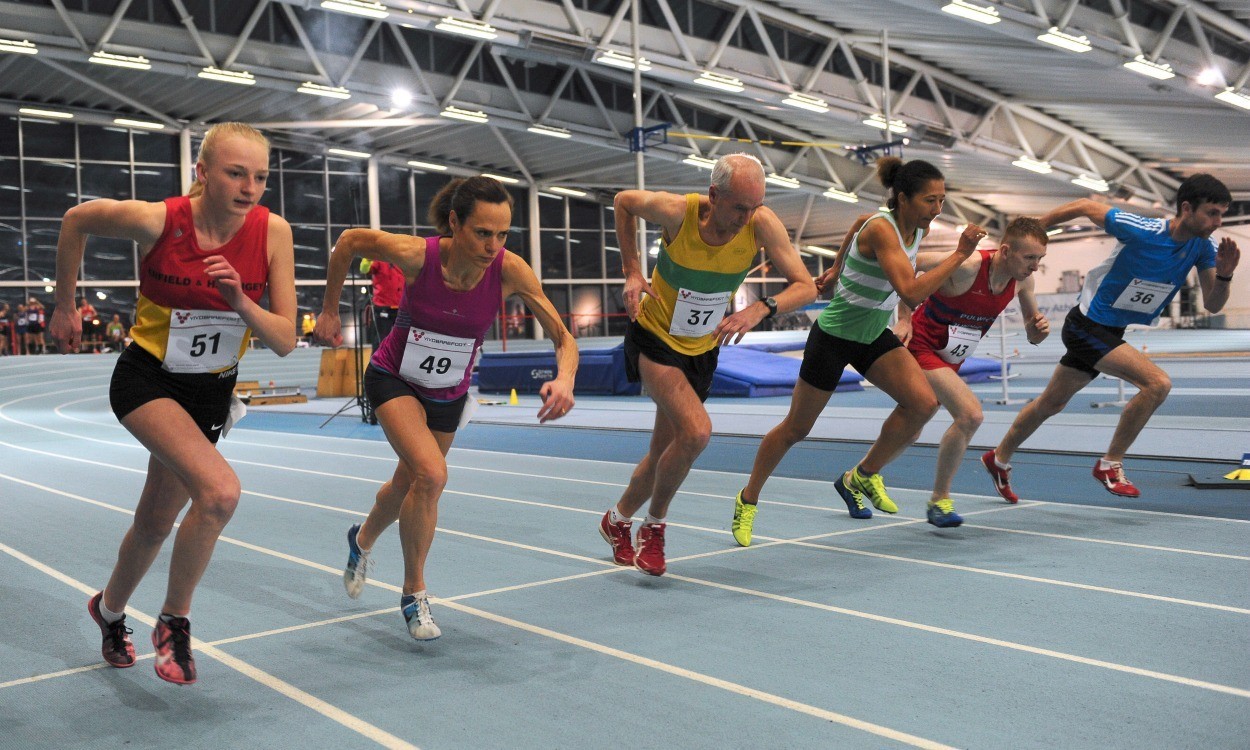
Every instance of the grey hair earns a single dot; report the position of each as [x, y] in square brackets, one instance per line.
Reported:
[725, 167]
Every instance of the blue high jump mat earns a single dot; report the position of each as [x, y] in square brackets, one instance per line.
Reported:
[740, 372]
[974, 370]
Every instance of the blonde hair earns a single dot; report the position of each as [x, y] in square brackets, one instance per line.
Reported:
[208, 146]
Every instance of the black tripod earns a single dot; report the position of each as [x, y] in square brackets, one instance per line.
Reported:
[359, 399]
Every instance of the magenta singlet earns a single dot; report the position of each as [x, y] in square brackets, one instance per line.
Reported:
[438, 330]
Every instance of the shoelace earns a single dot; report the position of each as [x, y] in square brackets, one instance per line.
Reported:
[876, 485]
[421, 611]
[747, 512]
[363, 565]
[180, 637]
[946, 506]
[1119, 474]
[117, 634]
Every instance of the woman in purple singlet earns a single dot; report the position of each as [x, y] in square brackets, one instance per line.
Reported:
[418, 379]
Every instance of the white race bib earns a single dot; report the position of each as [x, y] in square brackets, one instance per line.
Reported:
[698, 313]
[1143, 296]
[435, 360]
[203, 340]
[961, 342]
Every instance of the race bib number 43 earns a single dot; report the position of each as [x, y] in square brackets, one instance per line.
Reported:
[1143, 296]
[203, 340]
[961, 342]
[435, 360]
[697, 313]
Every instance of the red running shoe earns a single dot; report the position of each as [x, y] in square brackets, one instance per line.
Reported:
[116, 648]
[1114, 480]
[650, 556]
[172, 640]
[617, 535]
[1001, 477]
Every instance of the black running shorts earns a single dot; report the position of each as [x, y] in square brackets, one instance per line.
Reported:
[825, 356]
[1087, 342]
[440, 416]
[698, 368]
[138, 378]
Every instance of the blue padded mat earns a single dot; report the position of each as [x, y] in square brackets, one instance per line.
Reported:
[598, 371]
[747, 371]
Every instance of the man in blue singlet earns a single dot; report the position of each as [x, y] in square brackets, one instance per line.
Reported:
[1133, 285]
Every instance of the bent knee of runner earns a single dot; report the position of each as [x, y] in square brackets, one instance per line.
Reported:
[428, 482]
[218, 502]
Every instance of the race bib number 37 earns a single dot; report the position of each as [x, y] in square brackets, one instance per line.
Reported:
[697, 313]
[203, 340]
[435, 360]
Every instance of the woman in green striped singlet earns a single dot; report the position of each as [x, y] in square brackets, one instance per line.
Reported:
[855, 329]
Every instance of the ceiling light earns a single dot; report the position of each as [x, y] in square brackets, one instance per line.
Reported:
[427, 166]
[1033, 165]
[1070, 42]
[548, 130]
[878, 121]
[1053, 232]
[806, 101]
[841, 195]
[468, 115]
[145, 124]
[331, 92]
[23, 47]
[137, 62]
[241, 77]
[786, 182]
[401, 98]
[979, 13]
[101, 295]
[568, 191]
[1228, 96]
[45, 113]
[815, 250]
[473, 28]
[501, 178]
[1093, 183]
[718, 81]
[1209, 77]
[1159, 70]
[617, 60]
[347, 152]
[357, 8]
[701, 162]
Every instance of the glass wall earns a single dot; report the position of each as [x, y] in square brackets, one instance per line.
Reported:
[48, 166]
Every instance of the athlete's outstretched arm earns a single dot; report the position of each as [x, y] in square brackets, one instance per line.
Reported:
[557, 394]
[275, 327]
[139, 221]
[402, 250]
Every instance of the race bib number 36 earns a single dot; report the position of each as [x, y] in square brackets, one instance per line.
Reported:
[435, 360]
[203, 340]
[697, 313]
[1143, 296]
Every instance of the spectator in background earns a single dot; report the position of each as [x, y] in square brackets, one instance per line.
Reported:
[90, 325]
[19, 326]
[5, 328]
[388, 288]
[116, 333]
[35, 322]
[308, 324]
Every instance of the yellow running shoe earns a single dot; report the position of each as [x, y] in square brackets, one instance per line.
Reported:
[744, 519]
[874, 487]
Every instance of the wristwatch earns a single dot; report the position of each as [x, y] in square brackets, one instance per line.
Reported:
[771, 304]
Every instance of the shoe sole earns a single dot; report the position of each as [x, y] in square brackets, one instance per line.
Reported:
[657, 573]
[1119, 494]
[608, 539]
[947, 525]
[851, 505]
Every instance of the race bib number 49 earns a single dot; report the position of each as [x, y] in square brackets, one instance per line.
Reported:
[697, 313]
[435, 360]
[1143, 296]
[203, 340]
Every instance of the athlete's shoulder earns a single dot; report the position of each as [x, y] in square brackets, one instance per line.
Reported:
[1118, 219]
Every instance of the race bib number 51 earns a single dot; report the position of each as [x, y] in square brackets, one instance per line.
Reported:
[697, 313]
[435, 360]
[203, 340]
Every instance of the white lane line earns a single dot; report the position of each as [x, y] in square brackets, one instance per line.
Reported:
[1094, 540]
[1187, 681]
[610, 568]
[338, 715]
[387, 740]
[895, 558]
